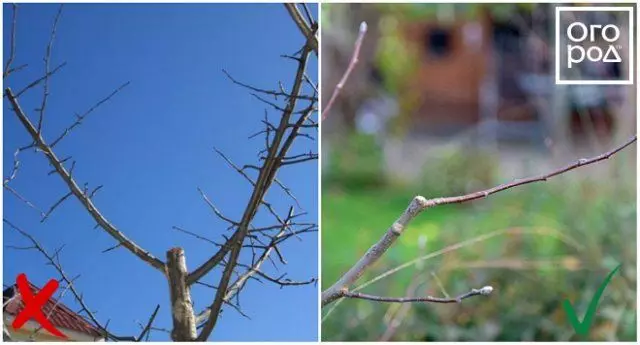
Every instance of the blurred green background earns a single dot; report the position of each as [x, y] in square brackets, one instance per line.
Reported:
[536, 245]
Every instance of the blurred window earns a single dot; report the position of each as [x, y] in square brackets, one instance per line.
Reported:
[438, 42]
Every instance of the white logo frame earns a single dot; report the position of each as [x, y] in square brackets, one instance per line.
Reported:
[629, 80]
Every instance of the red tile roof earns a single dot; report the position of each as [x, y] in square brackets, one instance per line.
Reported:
[61, 317]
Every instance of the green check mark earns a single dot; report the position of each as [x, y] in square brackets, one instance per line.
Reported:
[582, 328]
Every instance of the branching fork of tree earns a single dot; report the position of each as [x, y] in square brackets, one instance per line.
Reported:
[342, 287]
[296, 107]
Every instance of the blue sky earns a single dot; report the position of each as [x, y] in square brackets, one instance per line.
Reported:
[151, 147]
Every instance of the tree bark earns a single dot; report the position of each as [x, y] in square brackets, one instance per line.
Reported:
[184, 320]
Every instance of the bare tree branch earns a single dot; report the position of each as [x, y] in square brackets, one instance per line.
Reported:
[12, 50]
[294, 122]
[268, 92]
[235, 167]
[23, 199]
[39, 80]
[304, 27]
[485, 291]
[16, 163]
[254, 269]
[418, 204]
[276, 151]
[345, 76]
[215, 209]
[282, 281]
[51, 259]
[47, 58]
[60, 201]
[147, 329]
[78, 193]
[193, 234]
[80, 118]
[307, 13]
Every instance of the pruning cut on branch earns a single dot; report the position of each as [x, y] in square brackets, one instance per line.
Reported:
[341, 288]
[296, 107]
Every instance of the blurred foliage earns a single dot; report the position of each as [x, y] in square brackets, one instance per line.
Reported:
[554, 240]
[452, 171]
[542, 243]
[416, 11]
[395, 58]
[355, 162]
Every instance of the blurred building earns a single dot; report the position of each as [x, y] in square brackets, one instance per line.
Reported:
[494, 75]
[481, 77]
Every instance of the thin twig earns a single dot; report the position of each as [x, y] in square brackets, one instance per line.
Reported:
[39, 80]
[307, 13]
[78, 297]
[304, 27]
[79, 193]
[268, 92]
[419, 204]
[193, 234]
[16, 163]
[80, 118]
[352, 65]
[147, 328]
[215, 209]
[254, 269]
[47, 58]
[60, 201]
[485, 291]
[23, 199]
[277, 149]
[282, 281]
[12, 50]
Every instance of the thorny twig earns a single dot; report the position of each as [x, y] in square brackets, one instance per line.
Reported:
[80, 118]
[254, 268]
[39, 80]
[277, 149]
[268, 92]
[51, 259]
[79, 193]
[278, 141]
[47, 58]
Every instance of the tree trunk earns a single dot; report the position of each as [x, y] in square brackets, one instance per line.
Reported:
[184, 320]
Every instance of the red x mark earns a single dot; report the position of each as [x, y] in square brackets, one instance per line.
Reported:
[33, 305]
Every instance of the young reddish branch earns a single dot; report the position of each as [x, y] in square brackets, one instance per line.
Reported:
[352, 65]
[341, 288]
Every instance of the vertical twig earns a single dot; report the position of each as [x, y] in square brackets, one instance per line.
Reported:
[352, 65]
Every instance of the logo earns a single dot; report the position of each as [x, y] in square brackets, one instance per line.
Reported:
[33, 305]
[594, 45]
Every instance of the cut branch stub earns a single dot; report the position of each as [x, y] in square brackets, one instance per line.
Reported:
[184, 320]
